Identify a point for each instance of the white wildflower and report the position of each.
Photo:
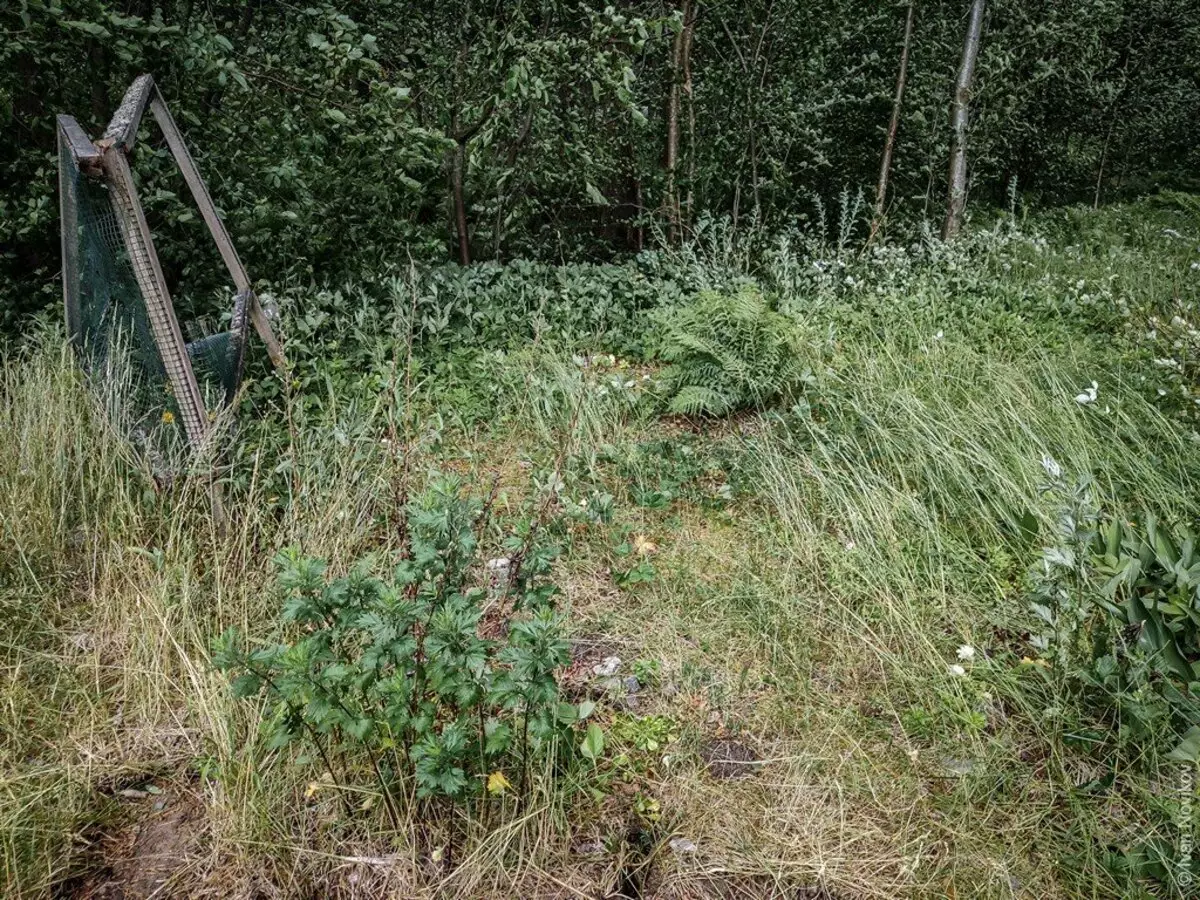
(958, 671)
(1079, 285)
(1088, 396)
(1050, 464)
(966, 653)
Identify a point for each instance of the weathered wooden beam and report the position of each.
(87, 155)
(208, 210)
(68, 229)
(122, 128)
(135, 232)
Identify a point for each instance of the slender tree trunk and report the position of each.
(1103, 160)
(457, 174)
(885, 167)
(1111, 113)
(635, 233)
(689, 28)
(956, 197)
(671, 151)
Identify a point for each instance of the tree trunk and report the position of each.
(689, 30)
(956, 198)
(679, 51)
(457, 174)
(885, 167)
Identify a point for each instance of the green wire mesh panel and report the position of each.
(118, 339)
(105, 311)
(217, 358)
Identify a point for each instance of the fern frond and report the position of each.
(728, 352)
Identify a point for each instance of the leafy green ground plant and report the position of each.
(396, 674)
(728, 352)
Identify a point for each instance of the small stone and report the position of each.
(631, 685)
(160, 805)
(501, 562)
(682, 845)
(608, 666)
(133, 794)
(588, 848)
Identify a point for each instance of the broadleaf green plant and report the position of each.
(392, 677)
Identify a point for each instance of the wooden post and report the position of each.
(122, 128)
(216, 227)
(143, 259)
(84, 160)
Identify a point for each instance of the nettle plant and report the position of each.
(393, 678)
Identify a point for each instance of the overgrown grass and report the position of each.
(797, 580)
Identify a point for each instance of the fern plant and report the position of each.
(727, 352)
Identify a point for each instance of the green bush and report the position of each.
(1118, 605)
(727, 352)
(393, 678)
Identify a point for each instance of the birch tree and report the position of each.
(956, 198)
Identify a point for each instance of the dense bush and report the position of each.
(331, 134)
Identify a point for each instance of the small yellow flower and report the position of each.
(168, 417)
(497, 783)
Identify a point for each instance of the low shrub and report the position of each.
(728, 352)
(1119, 607)
(392, 677)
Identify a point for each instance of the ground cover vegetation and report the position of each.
(494, 619)
(643, 512)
